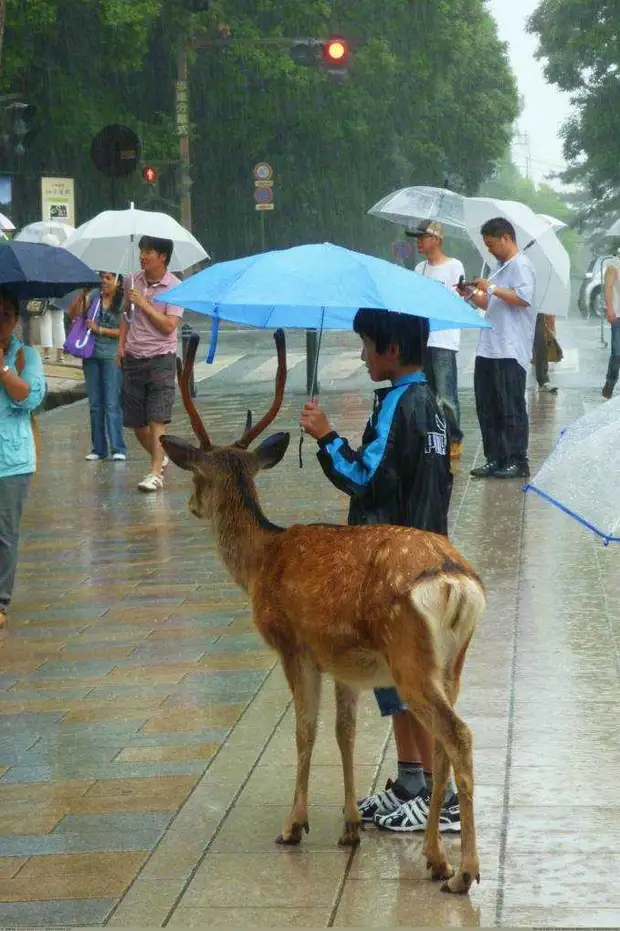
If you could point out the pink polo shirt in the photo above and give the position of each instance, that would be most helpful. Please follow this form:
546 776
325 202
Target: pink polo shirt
144 340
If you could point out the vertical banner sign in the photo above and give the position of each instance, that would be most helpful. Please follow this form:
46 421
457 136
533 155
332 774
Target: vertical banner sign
58 200
263 186
182 109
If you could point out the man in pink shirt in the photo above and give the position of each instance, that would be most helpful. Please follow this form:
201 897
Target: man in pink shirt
147 354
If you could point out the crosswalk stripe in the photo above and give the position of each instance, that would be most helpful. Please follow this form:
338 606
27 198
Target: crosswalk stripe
343 365
223 361
266 371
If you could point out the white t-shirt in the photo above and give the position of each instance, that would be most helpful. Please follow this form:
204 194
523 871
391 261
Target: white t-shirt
512 335
448 274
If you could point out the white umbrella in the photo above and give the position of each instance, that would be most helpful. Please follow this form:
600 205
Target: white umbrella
553 222
536 236
109 242
614 229
36 232
576 477
6 224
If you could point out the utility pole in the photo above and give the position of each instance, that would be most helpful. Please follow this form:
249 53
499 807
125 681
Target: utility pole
182 119
2 14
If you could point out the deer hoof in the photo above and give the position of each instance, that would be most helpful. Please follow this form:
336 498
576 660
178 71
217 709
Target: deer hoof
460 883
350 837
441 870
293 836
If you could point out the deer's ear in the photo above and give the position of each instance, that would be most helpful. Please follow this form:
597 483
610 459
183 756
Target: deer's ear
182 453
271 450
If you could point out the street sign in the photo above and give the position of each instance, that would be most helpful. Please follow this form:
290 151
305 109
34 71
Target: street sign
115 151
264 207
182 111
263 172
58 200
263 195
402 250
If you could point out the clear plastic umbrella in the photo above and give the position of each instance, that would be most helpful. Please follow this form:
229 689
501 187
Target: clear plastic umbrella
109 241
6 224
576 477
36 232
553 222
411 205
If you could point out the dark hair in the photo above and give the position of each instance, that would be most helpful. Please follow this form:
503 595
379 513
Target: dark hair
116 304
161 246
498 227
10 297
385 328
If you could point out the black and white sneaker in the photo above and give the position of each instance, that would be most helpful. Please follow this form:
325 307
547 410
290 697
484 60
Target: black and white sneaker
383 803
412 816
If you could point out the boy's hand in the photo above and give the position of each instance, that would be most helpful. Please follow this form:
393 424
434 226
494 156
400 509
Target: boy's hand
314 421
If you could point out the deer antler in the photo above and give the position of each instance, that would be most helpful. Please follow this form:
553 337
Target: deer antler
184 375
251 432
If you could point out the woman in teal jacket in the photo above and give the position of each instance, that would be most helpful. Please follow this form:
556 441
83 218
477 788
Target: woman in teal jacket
22 389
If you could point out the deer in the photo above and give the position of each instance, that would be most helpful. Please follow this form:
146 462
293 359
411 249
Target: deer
369 606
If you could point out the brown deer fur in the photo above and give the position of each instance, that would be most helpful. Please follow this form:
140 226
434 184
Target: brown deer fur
368 605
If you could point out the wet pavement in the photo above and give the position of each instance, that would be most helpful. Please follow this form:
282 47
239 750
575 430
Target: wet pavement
146 735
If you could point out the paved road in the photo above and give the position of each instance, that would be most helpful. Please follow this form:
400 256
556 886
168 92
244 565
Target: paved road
146 736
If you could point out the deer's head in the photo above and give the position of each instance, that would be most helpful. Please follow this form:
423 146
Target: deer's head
220 470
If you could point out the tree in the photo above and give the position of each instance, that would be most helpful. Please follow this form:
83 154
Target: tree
409 114
578 39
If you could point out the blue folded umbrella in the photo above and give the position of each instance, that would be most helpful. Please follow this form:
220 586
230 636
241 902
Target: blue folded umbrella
30 270
318 287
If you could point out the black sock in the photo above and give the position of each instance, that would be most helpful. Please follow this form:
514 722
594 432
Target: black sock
411 777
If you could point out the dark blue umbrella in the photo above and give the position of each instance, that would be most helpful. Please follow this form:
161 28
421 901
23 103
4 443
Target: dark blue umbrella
30 270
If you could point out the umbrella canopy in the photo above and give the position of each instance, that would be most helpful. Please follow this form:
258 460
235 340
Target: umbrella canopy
465 215
576 476
36 232
31 270
410 205
6 224
317 287
614 229
553 222
109 242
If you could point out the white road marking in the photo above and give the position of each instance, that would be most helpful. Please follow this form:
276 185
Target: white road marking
266 371
343 365
222 361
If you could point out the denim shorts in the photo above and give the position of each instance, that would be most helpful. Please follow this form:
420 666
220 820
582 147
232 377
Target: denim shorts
389 702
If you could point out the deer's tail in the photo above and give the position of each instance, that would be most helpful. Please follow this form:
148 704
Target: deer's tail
450 603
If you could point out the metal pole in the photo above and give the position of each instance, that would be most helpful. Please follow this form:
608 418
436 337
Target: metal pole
182 116
312 348
186 332
262 231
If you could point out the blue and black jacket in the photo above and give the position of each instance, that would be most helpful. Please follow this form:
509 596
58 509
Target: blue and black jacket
401 473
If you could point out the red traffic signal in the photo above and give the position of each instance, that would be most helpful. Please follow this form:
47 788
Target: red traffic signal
336 52
149 174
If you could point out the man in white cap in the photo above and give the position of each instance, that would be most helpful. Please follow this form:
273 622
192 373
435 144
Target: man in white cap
440 362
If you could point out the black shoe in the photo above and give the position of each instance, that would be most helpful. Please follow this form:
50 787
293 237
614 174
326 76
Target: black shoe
608 390
487 470
513 470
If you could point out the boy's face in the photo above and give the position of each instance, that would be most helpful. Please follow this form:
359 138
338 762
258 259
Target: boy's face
380 366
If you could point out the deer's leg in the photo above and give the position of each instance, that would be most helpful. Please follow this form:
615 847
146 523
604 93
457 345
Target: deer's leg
434 850
304 678
456 738
346 715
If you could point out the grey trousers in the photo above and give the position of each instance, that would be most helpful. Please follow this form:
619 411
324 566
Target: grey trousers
13 494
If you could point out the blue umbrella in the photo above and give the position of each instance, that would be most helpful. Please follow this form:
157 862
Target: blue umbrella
318 287
30 270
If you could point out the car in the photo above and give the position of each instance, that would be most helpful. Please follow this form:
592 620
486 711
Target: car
590 300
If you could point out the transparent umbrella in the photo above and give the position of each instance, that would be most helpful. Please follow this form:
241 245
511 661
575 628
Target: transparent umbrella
408 206
37 232
576 477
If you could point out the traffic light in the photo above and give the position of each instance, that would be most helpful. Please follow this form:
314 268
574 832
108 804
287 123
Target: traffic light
149 173
21 115
336 53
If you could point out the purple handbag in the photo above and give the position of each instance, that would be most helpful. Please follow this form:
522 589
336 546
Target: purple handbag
80 341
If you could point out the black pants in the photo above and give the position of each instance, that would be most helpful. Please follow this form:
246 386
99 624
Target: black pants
499 386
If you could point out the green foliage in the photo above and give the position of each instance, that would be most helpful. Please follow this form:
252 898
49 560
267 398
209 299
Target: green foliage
578 39
425 77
